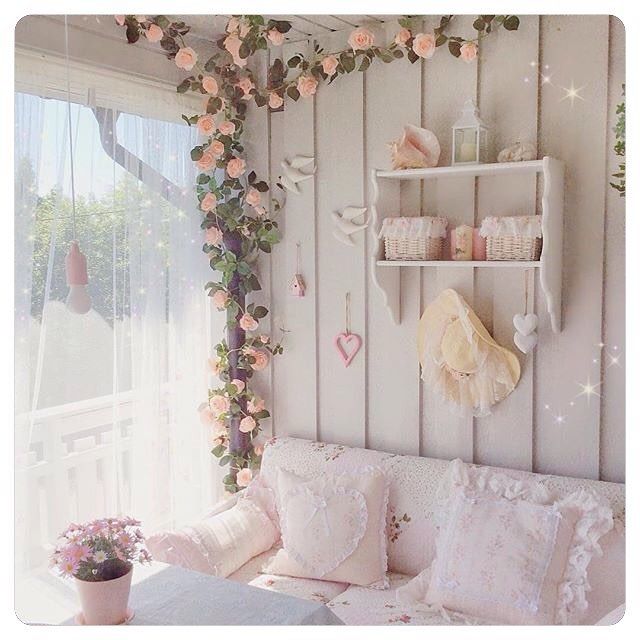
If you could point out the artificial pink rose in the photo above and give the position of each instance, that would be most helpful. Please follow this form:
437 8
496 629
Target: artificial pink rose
245 84
227 128
424 45
186 58
154 33
469 51
232 44
329 65
258 449
119 20
247 424
220 299
402 36
210 85
216 148
236 167
260 211
255 405
233 24
239 384
206 416
220 404
206 125
244 477
307 86
214 366
276 38
207 160
213 235
361 38
264 338
275 101
253 197
248 322
261 359
220 427
209 203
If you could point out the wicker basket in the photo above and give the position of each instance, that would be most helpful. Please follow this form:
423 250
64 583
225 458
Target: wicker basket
513 248
512 238
413 248
419 238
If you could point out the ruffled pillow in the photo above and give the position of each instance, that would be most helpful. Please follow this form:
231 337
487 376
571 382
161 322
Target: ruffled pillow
220 544
506 554
333 527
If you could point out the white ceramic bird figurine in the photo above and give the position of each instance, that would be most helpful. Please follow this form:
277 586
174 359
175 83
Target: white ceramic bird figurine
344 225
291 172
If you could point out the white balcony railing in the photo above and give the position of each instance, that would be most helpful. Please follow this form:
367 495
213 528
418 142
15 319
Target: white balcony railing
76 468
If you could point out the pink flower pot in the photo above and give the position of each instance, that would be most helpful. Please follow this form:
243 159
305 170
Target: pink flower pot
105 602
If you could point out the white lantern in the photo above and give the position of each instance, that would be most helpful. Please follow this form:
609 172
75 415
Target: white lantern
469 137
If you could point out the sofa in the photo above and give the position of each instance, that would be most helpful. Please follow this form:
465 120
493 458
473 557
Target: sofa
413 498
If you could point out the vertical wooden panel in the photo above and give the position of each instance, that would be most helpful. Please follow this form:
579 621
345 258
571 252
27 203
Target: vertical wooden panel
508 101
341 269
393 375
567 437
278 284
256 142
612 446
447 83
295 372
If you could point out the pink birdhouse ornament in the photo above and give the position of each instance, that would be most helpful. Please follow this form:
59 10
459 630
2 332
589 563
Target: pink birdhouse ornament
297 286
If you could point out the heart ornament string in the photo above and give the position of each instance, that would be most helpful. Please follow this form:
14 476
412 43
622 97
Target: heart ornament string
347 344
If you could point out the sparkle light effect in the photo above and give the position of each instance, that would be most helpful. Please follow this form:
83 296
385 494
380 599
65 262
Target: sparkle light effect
572 93
609 357
589 389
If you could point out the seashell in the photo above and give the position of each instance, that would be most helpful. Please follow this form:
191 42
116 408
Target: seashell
518 152
416 149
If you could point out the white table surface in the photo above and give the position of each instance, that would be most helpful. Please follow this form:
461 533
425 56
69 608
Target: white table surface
168 595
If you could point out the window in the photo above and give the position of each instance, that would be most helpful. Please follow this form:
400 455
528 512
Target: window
106 402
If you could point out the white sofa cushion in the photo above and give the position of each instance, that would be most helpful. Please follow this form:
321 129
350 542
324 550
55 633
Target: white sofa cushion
252 573
363 606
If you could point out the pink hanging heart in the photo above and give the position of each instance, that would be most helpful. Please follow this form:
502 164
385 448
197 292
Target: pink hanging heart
347 338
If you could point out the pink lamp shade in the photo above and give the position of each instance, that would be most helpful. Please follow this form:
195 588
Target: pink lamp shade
76 265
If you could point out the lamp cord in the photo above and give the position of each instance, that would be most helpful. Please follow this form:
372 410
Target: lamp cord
72 172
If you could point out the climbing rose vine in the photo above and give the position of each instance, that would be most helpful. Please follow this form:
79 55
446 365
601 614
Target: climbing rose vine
238 218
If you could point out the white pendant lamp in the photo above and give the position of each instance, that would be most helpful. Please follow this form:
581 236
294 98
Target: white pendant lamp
75 262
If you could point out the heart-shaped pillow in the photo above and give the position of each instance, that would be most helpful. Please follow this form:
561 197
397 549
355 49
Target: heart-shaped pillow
321 529
333 527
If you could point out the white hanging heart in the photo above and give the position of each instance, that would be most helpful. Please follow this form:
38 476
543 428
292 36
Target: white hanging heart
526 343
525 324
321 529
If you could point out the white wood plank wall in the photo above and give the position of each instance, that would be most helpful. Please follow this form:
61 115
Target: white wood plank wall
379 401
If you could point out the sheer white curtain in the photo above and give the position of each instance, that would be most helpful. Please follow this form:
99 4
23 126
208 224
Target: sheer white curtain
106 403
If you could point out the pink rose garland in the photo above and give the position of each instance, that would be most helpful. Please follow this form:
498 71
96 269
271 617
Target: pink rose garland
469 51
186 58
424 45
361 39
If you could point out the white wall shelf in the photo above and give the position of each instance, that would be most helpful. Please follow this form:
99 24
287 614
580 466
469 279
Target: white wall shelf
387 279
493 169
522 264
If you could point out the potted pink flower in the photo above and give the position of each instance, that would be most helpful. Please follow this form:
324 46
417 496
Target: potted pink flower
99 555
